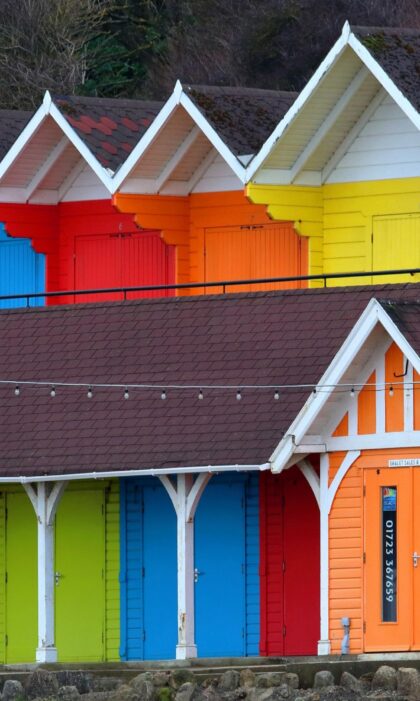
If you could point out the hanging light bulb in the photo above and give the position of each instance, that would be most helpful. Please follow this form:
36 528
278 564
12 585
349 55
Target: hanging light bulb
391 391
276 394
352 393
53 392
238 395
200 394
90 393
126 393
163 395
17 390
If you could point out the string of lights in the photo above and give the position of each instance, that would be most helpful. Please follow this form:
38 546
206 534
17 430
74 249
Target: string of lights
277 389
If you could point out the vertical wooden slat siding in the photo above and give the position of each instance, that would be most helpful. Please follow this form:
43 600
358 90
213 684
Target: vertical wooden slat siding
21 270
2 577
366 415
341 222
394 405
346 558
132 585
252 545
112 560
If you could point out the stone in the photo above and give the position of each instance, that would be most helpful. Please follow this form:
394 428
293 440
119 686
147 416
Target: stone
105 684
247 678
180 676
83 681
323 679
269 679
68 693
348 681
128 693
284 691
12 690
261 694
41 684
385 678
408 682
185 691
161 678
229 681
97 696
292 680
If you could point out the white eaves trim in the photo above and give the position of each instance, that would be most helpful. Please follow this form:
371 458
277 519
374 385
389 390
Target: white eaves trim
178 97
347 38
48 108
155 472
373 314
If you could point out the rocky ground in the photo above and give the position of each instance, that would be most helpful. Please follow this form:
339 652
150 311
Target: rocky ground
386 684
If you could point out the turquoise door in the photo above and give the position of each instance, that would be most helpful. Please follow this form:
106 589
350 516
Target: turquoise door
220 560
22 270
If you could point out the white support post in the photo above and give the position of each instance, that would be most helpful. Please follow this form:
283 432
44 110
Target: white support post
185 498
324 645
45 502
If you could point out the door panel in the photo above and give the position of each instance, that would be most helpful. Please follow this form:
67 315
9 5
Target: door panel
97 265
80 589
21 587
270 250
416 570
21 270
220 560
396 244
389 564
160 575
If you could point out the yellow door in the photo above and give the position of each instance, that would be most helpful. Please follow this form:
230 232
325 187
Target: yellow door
391 573
395 245
254 252
80 586
21 579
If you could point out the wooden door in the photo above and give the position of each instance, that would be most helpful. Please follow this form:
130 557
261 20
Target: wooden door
388 559
254 252
395 245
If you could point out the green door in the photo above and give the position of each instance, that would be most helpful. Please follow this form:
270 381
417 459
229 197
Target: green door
80 586
21 579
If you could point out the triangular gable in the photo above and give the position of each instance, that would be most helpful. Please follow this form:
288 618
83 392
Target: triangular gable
58 143
346 89
352 365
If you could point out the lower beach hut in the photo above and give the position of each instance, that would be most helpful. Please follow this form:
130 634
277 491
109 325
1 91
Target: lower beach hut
190 476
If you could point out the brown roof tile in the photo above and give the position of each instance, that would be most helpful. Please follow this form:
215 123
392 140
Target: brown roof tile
12 122
285 337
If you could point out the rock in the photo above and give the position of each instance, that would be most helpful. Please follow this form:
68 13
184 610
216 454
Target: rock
97 696
284 691
12 690
229 681
269 679
68 693
105 684
261 694
142 685
408 682
247 678
348 681
292 680
180 676
385 678
323 679
185 691
164 693
83 681
41 684
161 678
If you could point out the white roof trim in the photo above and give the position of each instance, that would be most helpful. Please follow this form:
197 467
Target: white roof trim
373 314
347 38
178 97
48 108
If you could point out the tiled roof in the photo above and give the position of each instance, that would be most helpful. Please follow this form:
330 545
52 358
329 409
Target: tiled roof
285 337
11 124
406 316
243 117
398 52
109 127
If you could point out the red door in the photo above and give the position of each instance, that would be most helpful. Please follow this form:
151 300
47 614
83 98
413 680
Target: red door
122 260
290 566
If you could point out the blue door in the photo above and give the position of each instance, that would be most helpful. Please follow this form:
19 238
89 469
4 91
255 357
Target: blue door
220 559
22 270
148 571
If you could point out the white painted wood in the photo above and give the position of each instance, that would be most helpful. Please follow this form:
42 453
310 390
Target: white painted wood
328 123
353 412
177 157
324 644
408 399
345 466
312 478
45 500
380 395
374 441
46 167
185 498
214 175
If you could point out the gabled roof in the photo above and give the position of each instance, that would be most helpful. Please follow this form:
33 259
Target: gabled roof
406 316
273 338
11 124
362 67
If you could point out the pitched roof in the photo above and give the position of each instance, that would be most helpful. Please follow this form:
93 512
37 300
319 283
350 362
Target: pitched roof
243 117
285 337
109 127
397 50
11 124
406 316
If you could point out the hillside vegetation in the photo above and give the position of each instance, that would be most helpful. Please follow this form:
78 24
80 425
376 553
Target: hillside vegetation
138 48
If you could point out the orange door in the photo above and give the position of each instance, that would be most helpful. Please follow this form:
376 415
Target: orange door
415 562
254 252
390 576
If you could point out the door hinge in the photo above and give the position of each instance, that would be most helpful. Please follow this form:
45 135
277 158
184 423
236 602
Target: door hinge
6 577
364 626
284 631
364 490
6 640
364 558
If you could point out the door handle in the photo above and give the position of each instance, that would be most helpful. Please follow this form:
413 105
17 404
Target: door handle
197 573
57 577
415 557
